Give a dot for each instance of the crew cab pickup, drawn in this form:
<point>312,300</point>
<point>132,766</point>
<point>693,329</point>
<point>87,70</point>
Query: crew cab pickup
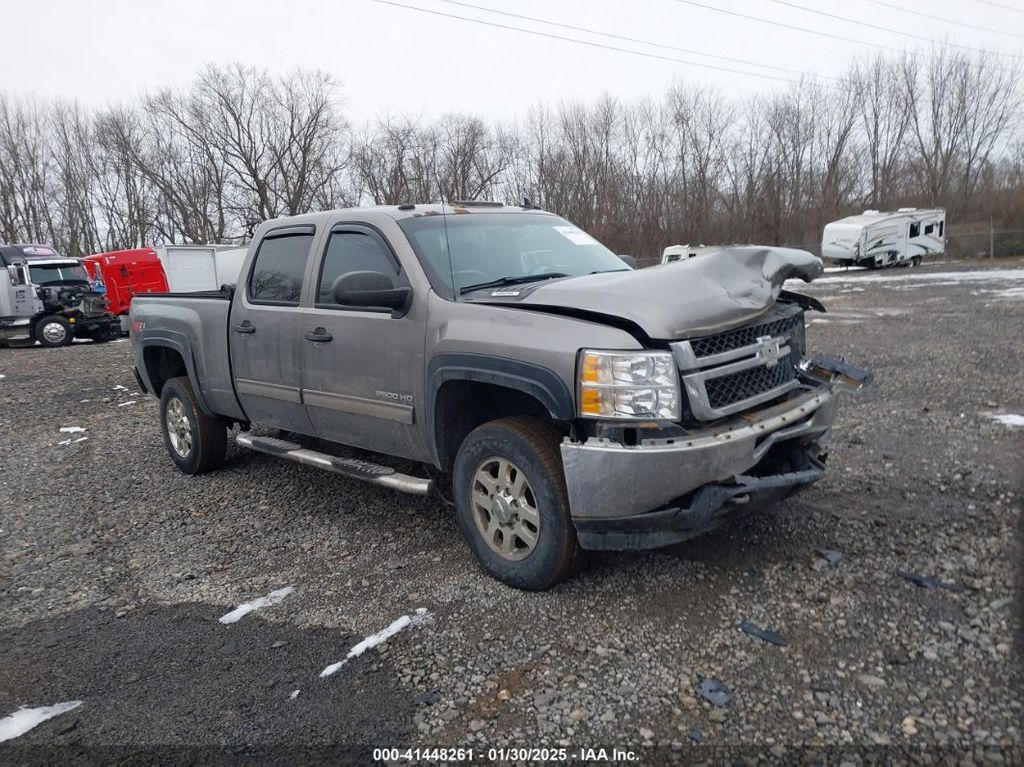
<point>575,403</point>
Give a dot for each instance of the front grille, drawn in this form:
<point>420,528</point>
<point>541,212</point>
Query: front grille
<point>741,368</point>
<point>742,385</point>
<point>744,336</point>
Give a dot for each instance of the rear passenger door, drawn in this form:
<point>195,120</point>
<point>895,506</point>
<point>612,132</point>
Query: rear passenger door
<point>363,367</point>
<point>266,351</point>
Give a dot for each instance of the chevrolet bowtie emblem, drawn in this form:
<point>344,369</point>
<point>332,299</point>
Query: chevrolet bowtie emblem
<point>769,351</point>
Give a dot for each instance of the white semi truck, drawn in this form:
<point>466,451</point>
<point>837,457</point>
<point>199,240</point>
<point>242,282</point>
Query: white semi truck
<point>47,297</point>
<point>876,239</point>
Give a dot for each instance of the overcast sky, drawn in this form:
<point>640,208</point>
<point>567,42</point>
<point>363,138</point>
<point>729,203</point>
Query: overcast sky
<point>397,60</point>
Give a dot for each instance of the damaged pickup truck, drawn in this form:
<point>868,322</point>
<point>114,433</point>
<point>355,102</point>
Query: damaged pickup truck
<point>574,402</point>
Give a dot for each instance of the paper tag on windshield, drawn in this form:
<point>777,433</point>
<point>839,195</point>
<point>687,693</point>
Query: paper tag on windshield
<point>573,234</point>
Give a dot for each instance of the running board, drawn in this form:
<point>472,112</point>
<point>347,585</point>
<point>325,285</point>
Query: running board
<point>374,473</point>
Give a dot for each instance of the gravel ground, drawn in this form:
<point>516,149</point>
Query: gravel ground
<point>114,569</point>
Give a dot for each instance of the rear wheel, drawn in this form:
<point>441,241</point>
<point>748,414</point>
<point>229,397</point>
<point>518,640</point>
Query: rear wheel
<point>196,442</point>
<point>53,330</point>
<point>512,505</point>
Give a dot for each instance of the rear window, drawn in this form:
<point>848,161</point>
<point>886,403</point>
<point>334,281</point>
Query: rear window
<point>280,263</point>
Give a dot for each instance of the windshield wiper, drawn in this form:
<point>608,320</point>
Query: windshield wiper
<point>501,281</point>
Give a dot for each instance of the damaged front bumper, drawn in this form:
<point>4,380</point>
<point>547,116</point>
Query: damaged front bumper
<point>664,491</point>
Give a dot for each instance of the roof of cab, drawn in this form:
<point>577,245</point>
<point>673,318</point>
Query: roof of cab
<point>28,251</point>
<point>399,212</point>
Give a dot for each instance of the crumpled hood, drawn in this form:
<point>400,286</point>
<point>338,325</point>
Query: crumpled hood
<point>705,294</point>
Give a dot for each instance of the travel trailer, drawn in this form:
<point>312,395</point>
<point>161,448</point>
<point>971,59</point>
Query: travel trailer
<point>877,239</point>
<point>684,252</point>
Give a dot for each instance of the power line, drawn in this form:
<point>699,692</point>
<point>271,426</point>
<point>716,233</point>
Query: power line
<point>878,27</point>
<point>592,44</point>
<point>929,15</point>
<point>783,24</point>
<point>1002,5</point>
<point>798,28</point>
<point>627,39</point>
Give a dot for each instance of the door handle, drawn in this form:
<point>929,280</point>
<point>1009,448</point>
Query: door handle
<point>245,327</point>
<point>319,336</point>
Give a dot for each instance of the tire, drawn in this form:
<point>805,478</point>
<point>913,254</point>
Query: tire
<point>197,443</point>
<point>509,510</point>
<point>53,331</point>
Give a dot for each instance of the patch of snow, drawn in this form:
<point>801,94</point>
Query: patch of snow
<point>2,376</point>
<point>71,429</point>
<point>64,442</point>
<point>81,439</point>
<point>1008,419</point>
<point>119,340</point>
<point>120,388</point>
<point>845,269</point>
<point>123,404</point>
<point>24,719</point>
<point>418,618</point>
<point>950,278</point>
<point>295,694</point>
<point>247,607</point>
<point>1010,293</point>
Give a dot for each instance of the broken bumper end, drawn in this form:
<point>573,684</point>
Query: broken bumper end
<point>708,508</point>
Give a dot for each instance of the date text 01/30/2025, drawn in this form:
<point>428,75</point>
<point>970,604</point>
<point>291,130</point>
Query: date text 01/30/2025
<point>511,754</point>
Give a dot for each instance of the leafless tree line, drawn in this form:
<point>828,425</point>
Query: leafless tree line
<point>210,162</point>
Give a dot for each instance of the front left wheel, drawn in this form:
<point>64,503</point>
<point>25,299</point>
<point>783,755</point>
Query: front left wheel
<point>512,503</point>
<point>53,331</point>
<point>196,442</point>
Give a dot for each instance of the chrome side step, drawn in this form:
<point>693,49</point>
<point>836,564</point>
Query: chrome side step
<point>374,473</point>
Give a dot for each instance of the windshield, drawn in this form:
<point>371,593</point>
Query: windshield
<point>513,247</point>
<point>46,274</point>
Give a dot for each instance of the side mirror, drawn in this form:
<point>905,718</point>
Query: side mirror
<point>371,290</point>
<point>630,261</point>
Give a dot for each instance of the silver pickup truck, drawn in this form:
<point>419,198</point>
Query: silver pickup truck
<point>575,403</point>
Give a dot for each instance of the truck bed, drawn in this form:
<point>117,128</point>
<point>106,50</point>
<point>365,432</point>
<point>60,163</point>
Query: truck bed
<point>196,324</point>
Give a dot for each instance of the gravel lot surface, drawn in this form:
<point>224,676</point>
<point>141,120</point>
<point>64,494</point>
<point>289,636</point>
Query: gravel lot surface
<point>114,570</point>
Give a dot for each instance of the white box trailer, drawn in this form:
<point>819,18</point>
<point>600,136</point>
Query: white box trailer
<point>192,268</point>
<point>877,239</point>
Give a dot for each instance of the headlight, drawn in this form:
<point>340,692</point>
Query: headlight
<point>628,385</point>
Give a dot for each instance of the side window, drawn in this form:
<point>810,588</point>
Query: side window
<point>942,225</point>
<point>276,276</point>
<point>915,229</point>
<point>929,228</point>
<point>351,252</point>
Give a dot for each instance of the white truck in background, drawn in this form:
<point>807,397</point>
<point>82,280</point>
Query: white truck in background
<point>876,239</point>
<point>193,268</point>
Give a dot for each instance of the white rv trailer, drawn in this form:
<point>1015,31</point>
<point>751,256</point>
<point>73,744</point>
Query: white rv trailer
<point>684,252</point>
<point>876,238</point>
<point>192,268</point>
